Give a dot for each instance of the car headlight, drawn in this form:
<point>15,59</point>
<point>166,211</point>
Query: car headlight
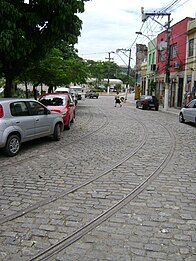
<point>64,113</point>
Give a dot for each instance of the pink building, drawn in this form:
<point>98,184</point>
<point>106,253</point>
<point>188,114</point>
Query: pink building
<point>178,44</point>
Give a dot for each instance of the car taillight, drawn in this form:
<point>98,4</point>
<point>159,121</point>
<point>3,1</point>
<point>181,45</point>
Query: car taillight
<point>1,111</point>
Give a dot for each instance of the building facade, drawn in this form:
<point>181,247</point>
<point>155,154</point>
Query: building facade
<point>182,64</point>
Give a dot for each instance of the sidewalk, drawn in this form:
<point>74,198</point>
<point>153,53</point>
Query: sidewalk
<point>176,111</point>
<point>172,110</point>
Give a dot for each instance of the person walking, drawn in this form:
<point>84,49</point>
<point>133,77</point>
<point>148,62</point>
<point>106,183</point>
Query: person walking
<point>117,100</point>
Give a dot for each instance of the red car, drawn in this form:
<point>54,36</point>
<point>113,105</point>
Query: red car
<point>62,103</point>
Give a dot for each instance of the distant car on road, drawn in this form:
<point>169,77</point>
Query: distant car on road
<point>23,120</point>
<point>147,102</point>
<point>92,94</point>
<point>188,113</point>
<point>62,103</point>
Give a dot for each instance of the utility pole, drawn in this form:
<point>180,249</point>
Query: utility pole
<point>109,59</point>
<point>167,69</point>
<point>128,70</point>
<point>167,65</point>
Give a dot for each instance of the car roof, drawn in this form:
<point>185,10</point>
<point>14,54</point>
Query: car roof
<point>62,89</point>
<point>56,94</point>
<point>4,100</point>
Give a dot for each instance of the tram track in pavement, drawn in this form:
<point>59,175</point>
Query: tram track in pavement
<point>106,214</point>
<point>92,224</point>
<point>51,199</point>
<point>58,151</point>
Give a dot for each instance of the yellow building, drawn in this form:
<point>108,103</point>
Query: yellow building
<point>190,66</point>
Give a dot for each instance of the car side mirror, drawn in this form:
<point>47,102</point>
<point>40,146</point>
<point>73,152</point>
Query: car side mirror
<point>71,104</point>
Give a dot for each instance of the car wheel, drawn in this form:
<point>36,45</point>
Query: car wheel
<point>12,145</point>
<point>181,118</point>
<point>143,107</point>
<point>137,106</point>
<point>57,132</point>
<point>68,126</point>
<point>156,108</point>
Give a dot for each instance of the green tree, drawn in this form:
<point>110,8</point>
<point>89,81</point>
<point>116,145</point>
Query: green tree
<point>29,31</point>
<point>60,67</point>
<point>100,70</point>
<point>96,70</point>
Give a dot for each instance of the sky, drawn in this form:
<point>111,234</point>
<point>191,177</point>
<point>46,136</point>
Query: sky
<point>110,25</point>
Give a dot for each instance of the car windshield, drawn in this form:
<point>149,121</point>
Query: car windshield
<point>53,100</point>
<point>143,97</point>
<point>192,104</point>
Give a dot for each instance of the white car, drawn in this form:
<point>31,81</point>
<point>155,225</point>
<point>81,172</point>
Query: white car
<point>62,90</point>
<point>26,119</point>
<point>188,113</point>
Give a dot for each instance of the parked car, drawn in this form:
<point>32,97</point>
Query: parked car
<point>62,90</point>
<point>73,93</point>
<point>92,94</point>
<point>74,96</point>
<point>62,103</point>
<point>78,90</point>
<point>147,102</point>
<point>188,113</point>
<point>23,120</point>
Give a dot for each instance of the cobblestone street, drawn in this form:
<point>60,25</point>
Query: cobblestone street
<point>120,185</point>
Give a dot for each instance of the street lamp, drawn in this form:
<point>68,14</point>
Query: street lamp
<point>140,33</point>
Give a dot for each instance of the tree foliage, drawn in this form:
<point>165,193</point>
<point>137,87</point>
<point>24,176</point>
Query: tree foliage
<point>60,67</point>
<point>101,70</point>
<point>29,31</point>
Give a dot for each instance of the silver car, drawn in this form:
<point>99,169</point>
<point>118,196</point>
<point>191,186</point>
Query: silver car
<point>188,113</point>
<point>26,119</point>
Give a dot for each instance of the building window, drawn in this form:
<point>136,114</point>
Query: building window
<point>149,61</point>
<point>153,57</point>
<point>173,51</point>
<point>190,51</point>
<point>161,56</point>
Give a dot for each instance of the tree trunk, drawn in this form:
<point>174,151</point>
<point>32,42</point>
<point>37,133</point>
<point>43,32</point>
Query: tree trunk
<point>8,84</point>
<point>35,91</point>
<point>26,89</point>
<point>50,89</point>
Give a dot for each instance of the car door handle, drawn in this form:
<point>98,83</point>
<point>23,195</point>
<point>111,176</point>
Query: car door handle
<point>17,121</point>
<point>37,120</point>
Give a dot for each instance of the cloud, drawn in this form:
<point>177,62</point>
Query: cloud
<point>111,24</point>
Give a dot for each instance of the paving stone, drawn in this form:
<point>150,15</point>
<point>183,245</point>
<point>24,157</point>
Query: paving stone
<point>158,225</point>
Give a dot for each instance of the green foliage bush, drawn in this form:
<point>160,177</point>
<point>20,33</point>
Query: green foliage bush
<point>19,94</point>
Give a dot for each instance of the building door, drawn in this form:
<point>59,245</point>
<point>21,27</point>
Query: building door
<point>180,92</point>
